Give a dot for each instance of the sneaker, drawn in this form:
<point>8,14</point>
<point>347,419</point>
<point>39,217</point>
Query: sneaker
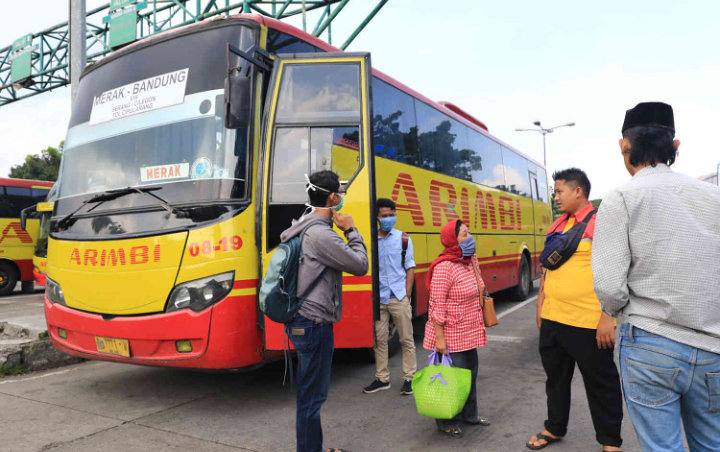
<point>376,386</point>
<point>406,388</point>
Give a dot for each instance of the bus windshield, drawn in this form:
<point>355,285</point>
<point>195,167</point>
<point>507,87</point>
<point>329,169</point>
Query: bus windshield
<point>185,147</point>
<point>146,119</point>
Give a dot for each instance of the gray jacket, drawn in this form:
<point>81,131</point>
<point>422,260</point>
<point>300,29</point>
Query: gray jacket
<point>325,251</point>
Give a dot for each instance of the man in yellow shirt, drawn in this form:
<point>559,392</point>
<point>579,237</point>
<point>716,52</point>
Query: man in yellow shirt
<point>573,329</point>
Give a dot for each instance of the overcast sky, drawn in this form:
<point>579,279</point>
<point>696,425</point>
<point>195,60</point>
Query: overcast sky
<point>506,63</point>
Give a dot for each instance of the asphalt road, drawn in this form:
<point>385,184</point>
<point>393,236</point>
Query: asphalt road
<point>99,406</point>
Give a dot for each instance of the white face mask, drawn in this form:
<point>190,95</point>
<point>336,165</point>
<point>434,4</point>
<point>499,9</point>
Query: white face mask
<point>310,208</point>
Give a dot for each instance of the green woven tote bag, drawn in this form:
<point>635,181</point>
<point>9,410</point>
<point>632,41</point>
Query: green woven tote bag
<point>441,390</point>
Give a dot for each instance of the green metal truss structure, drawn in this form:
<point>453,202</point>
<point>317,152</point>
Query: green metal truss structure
<point>51,59</point>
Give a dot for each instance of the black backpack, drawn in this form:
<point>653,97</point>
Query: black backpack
<point>560,247</point>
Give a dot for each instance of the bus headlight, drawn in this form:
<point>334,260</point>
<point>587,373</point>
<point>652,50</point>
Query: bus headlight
<point>54,292</point>
<point>201,293</point>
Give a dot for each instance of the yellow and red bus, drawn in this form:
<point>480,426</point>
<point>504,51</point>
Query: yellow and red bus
<point>184,161</point>
<point>17,245</point>
<point>43,212</point>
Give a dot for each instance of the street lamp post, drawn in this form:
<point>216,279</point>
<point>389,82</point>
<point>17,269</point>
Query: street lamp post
<point>544,132</point>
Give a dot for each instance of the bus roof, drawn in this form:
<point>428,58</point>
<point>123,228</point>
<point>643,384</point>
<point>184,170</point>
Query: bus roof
<point>29,183</point>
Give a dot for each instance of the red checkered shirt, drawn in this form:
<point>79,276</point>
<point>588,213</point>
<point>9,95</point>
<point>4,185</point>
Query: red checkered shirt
<point>455,304</point>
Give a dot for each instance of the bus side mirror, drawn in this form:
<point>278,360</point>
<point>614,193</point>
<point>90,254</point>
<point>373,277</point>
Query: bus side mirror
<point>24,215</point>
<point>237,100</point>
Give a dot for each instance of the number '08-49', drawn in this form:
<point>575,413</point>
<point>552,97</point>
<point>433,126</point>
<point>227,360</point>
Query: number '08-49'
<point>207,247</point>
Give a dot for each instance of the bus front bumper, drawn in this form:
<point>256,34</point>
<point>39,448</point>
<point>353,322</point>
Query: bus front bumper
<point>224,336</point>
<point>39,277</point>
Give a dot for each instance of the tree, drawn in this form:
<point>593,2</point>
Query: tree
<point>595,203</point>
<point>43,166</point>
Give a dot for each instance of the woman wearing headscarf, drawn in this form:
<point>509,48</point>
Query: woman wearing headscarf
<point>455,322</point>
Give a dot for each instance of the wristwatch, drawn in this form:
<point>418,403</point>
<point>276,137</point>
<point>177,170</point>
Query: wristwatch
<point>349,230</point>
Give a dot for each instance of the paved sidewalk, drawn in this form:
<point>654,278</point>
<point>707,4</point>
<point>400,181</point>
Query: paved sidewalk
<point>21,321</point>
<point>24,310</point>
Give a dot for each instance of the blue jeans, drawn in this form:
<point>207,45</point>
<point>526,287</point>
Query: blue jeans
<point>314,344</point>
<point>667,386</point>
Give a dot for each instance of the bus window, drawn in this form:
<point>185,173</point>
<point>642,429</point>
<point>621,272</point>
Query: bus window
<point>336,149</point>
<point>394,124</point>
<point>4,206</point>
<point>542,185</point>
<point>39,194</point>
<point>290,163</point>
<point>432,127</point>
<point>17,199</point>
<point>516,173</point>
<point>453,155</point>
<point>320,92</point>
<point>279,42</point>
<point>330,148</point>
<point>490,171</point>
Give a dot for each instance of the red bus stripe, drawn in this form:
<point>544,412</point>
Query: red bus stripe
<point>505,256</point>
<point>480,259</point>
<point>26,183</point>
<point>245,284</point>
<point>367,279</point>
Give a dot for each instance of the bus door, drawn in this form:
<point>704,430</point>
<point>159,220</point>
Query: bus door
<point>317,117</point>
<point>538,224</point>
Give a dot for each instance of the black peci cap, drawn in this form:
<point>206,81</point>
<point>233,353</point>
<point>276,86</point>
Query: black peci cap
<point>652,114</point>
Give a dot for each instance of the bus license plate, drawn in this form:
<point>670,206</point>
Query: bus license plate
<point>113,346</point>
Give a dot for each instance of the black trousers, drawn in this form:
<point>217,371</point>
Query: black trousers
<point>561,346</point>
<point>465,360</point>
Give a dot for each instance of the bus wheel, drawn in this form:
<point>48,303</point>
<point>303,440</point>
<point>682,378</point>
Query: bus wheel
<point>8,278</point>
<point>28,286</point>
<point>521,291</point>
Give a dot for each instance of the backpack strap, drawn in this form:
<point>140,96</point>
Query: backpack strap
<point>302,233</point>
<point>405,239</point>
<point>584,221</point>
<point>317,280</point>
<point>589,216</point>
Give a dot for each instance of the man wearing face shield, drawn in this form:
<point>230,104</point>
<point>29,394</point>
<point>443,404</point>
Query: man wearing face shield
<point>325,257</point>
<point>397,272</point>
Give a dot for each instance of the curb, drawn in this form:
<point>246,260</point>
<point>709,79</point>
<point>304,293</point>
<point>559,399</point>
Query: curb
<point>25,354</point>
<point>42,355</point>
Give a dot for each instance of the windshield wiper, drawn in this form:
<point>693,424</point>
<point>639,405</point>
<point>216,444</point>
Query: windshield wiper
<point>118,193</point>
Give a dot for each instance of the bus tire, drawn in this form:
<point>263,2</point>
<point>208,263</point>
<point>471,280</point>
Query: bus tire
<point>524,286</point>
<point>28,286</point>
<point>8,278</point>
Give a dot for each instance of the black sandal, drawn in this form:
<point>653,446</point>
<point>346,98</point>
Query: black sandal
<point>479,421</point>
<point>548,440</point>
<point>455,432</point>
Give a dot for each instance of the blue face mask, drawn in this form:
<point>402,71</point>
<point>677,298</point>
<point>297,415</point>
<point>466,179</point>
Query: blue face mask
<point>468,246</point>
<point>387,223</point>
